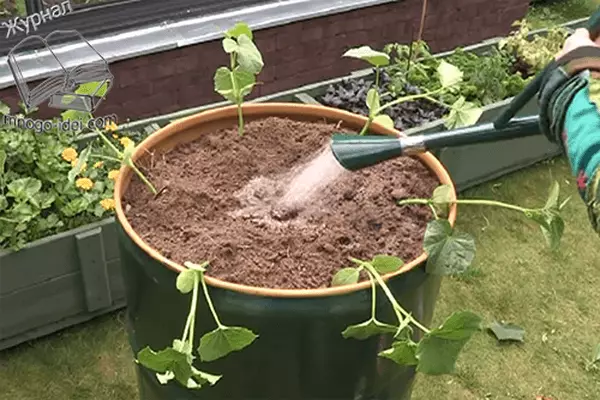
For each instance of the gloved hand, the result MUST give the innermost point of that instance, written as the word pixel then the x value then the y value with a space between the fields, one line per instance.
pixel 569 114
pixel 561 84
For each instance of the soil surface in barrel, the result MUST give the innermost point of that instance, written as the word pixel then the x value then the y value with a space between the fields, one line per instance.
pixel 217 198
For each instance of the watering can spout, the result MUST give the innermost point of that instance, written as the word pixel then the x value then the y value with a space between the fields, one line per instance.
pixel 355 152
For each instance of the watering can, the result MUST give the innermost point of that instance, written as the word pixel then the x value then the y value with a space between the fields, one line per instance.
pixel 355 152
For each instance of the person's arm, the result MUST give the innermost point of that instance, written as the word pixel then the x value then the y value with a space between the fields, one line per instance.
pixel 581 140
pixel 570 117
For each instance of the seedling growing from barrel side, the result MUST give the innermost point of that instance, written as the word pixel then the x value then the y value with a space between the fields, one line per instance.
pixel 176 362
pixel 448 253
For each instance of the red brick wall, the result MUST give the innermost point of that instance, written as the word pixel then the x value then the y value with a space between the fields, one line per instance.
pixel 295 54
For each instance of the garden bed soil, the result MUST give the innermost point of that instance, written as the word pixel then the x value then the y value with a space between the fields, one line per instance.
pixel 216 204
pixel 351 95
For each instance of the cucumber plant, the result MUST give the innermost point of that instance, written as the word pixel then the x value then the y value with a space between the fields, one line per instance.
pixel 176 362
pixel 448 253
pixel 237 81
pixel 462 113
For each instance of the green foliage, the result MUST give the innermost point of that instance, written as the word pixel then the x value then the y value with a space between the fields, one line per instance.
pixel 366 53
pixel 548 217
pixel 498 74
pixel 177 361
pixel 345 276
pixel 487 78
pixel 537 52
pixel 236 82
pixel 47 185
pixel 507 331
pixel 449 78
pixel 224 340
pixel 437 351
pixel 462 113
pixel 448 253
pixel 411 65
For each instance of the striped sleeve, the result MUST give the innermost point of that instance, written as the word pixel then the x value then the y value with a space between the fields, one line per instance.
pixel 581 139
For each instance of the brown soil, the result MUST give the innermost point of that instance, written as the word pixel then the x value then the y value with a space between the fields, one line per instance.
pixel 218 206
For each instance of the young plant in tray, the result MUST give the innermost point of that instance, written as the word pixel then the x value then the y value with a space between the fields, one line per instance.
pixel 449 253
pixel 376 58
pixel 462 113
pixel 237 81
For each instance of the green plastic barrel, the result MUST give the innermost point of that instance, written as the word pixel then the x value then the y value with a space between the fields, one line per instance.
pixel 300 353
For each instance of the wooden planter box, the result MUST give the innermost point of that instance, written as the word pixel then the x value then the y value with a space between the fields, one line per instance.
pixel 69 278
pixel 59 281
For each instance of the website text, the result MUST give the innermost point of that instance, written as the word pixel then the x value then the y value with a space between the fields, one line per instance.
pixel 36 19
pixel 45 125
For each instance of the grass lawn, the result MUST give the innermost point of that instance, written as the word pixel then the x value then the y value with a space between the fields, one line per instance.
pixel 515 278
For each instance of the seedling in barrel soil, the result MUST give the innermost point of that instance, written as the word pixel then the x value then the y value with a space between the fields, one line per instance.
pixel 449 253
pixel 176 362
pixel 237 81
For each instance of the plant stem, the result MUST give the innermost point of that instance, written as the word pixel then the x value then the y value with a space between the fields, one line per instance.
pixel 240 120
pixel 142 177
pixel 209 302
pixel 193 308
pixel 492 203
pixel 398 310
pixel 377 77
pixel 373 297
pixel 188 323
pixel 366 126
pixel 407 98
pixel 435 215
pixel 128 162
pixel 434 100
pixel 109 144
pixel 239 100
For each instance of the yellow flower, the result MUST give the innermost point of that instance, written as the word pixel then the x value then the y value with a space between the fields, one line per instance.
pixel 113 174
pixel 115 136
pixel 108 204
pixel 74 163
pixel 84 183
pixel 111 126
pixel 99 164
pixel 69 154
pixel 125 141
